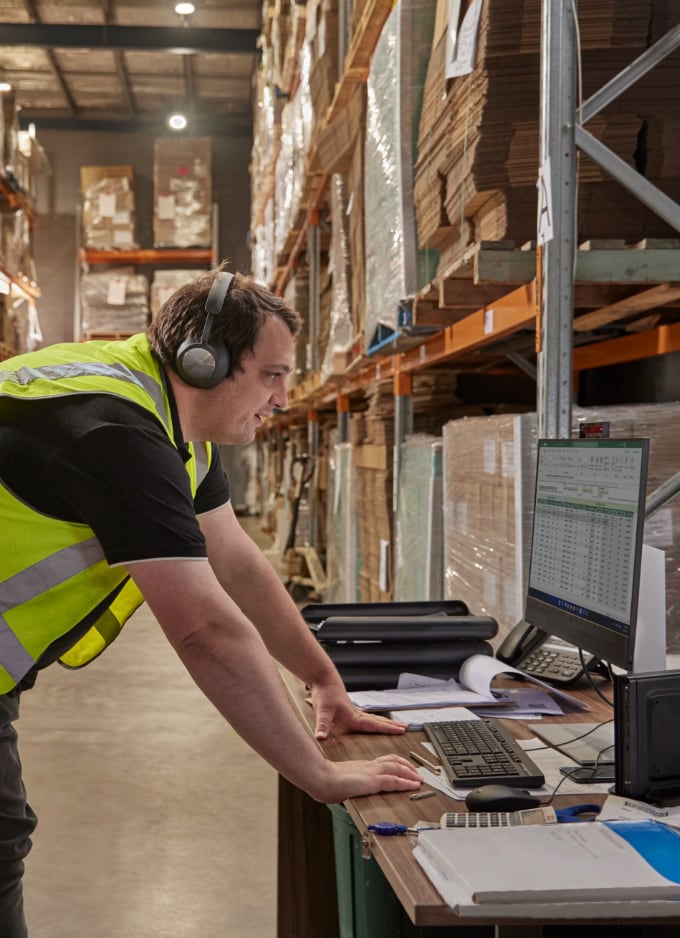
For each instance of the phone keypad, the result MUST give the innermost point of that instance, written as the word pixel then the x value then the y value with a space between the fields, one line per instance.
pixel 554 665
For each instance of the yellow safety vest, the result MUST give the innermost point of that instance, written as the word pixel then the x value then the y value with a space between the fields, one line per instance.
pixel 53 573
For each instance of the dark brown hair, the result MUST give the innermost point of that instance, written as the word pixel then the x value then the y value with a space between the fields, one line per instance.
pixel 247 307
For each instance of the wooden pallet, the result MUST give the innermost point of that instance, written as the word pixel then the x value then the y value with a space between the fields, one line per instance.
pixel 614 282
pixel 108 336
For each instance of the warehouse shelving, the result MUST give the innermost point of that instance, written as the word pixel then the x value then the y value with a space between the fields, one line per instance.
pixel 601 285
pixel 356 67
pixel 137 257
pixel 12 199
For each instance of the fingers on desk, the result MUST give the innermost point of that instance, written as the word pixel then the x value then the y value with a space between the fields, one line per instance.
pixel 398 773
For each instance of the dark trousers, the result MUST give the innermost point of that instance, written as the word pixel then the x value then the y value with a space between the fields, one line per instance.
pixel 17 822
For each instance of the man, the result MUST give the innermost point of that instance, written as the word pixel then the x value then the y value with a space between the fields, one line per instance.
pixel 104 504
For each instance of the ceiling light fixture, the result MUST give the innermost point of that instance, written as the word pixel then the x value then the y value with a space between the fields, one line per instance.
pixel 177 122
pixel 5 85
pixel 185 9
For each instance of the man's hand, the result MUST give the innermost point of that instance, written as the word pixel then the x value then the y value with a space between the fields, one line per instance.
pixel 332 705
pixel 350 779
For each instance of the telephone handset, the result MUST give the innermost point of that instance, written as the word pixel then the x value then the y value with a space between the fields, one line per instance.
pixel 547 657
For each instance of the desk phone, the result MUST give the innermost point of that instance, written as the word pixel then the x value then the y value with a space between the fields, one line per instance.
pixel 547 657
pixel 543 815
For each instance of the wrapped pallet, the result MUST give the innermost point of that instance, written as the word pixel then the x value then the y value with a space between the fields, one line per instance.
pixel 489 472
pixel 266 145
pixel 108 207
pixel 114 302
pixel 395 268
pixel 341 527
pixel 296 130
pixel 296 296
pixel 182 182
pixel 338 329
pixel 419 529
pixel 488 478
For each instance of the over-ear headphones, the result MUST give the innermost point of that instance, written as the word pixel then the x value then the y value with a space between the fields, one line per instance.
pixel 203 364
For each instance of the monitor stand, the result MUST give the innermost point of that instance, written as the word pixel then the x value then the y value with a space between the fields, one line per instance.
pixel 649 654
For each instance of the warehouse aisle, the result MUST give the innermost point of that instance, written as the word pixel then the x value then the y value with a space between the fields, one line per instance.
pixel 155 818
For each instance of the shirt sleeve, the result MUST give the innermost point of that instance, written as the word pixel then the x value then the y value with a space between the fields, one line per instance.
pixel 109 464
pixel 213 492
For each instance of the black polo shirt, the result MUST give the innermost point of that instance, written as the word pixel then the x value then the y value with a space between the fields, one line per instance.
pixel 106 462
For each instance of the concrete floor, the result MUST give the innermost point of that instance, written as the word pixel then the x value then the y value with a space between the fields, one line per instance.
pixel 155 819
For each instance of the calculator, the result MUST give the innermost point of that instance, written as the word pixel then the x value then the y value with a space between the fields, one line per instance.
pixel 543 815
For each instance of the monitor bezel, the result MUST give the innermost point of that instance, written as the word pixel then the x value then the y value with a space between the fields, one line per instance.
pixel 615 648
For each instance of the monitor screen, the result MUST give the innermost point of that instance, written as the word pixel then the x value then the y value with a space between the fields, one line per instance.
pixel 584 572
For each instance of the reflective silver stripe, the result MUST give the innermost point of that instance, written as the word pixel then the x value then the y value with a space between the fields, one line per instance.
pixel 49 572
pixel 14 657
pixel 31 582
pixel 24 376
pixel 201 457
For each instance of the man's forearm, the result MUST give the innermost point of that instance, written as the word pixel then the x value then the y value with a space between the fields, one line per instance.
pixel 266 602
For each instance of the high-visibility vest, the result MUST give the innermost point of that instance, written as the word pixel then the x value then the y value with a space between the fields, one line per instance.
pixel 53 573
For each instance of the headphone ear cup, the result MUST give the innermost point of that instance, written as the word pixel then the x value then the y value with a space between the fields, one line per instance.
pixel 201 364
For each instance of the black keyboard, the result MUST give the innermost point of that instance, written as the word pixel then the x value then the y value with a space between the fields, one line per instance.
pixel 482 752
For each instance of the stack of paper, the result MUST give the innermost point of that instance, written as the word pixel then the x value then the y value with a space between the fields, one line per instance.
pixel 597 868
pixel 473 689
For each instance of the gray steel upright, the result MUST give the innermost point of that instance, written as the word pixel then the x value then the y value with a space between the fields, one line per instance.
pixel 558 99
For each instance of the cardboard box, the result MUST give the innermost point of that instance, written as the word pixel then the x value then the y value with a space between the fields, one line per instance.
pixel 108 207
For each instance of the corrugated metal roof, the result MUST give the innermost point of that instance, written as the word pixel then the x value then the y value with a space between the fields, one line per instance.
pixel 102 62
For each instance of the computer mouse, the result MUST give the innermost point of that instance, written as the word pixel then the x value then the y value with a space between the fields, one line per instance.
pixel 500 798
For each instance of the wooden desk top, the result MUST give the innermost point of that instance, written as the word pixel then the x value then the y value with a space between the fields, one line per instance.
pixel 414 890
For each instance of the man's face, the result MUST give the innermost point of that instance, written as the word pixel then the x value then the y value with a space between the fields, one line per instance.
pixel 248 397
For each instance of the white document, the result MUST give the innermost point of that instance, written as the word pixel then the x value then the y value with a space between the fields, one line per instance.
pixel 473 687
pixel 621 808
pixel 524 703
pixel 579 862
pixel 444 694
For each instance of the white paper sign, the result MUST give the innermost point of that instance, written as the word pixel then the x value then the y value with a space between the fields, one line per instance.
pixel 107 205
pixel 465 52
pixel 165 207
pixel 121 236
pixel 116 292
pixel 544 222
pixel 452 30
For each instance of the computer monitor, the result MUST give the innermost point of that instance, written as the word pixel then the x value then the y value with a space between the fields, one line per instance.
pixel 584 572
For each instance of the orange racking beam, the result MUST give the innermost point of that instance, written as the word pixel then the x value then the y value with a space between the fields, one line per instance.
pixel 149 256
pixel 628 348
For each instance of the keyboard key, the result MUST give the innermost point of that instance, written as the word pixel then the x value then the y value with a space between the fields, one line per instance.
pixel 478 752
